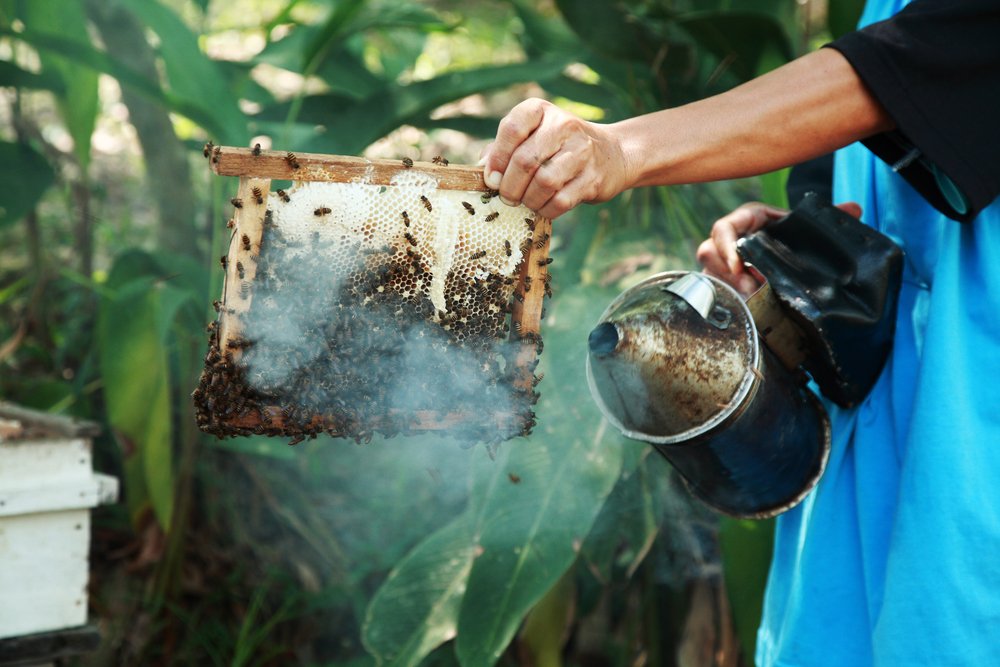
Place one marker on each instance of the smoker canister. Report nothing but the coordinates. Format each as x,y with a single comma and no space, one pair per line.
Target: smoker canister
676,362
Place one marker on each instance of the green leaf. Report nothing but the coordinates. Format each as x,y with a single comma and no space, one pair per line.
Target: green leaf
611,28
744,41
843,15
543,34
87,55
537,502
13,76
416,609
193,76
134,366
78,106
477,126
627,525
354,127
746,557
26,176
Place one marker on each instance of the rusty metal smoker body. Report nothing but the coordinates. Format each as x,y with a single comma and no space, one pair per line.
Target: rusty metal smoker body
676,361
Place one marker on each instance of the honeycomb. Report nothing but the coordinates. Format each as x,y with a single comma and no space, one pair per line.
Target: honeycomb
368,308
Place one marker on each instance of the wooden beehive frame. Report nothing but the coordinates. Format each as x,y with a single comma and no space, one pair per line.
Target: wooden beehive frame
257,168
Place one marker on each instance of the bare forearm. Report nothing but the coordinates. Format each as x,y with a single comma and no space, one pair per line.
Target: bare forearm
802,110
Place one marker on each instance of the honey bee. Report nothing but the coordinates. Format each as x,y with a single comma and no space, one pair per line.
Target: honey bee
506,247
468,207
292,161
207,150
407,162
406,219
257,194
238,343
478,255
515,479
216,154
426,202
535,379
492,216
527,283
519,297
409,238
322,210
545,262
224,262
284,196
236,202
541,241
256,150
437,159
530,222
239,269
488,195
246,242
230,223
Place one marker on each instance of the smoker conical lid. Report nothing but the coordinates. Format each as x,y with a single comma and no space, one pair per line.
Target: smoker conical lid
664,373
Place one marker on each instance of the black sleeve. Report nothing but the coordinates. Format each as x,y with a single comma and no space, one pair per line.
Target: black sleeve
814,176
935,68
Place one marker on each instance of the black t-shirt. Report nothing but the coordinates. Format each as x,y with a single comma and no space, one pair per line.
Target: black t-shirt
935,68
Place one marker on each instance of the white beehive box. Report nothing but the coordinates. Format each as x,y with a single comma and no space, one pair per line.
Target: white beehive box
47,487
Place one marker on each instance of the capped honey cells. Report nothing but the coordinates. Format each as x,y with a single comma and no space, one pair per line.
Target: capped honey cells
368,309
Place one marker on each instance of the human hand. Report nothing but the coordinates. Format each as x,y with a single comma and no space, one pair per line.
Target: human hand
717,254
551,160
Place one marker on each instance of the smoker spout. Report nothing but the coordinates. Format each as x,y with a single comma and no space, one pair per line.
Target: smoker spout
603,339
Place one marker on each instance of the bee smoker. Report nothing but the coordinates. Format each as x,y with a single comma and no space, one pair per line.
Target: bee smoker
717,385
676,361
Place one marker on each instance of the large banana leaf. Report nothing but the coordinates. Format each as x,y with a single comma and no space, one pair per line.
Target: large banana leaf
86,55
78,106
26,176
416,609
538,501
352,127
135,331
192,75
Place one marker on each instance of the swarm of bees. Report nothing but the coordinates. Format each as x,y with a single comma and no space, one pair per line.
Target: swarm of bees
340,374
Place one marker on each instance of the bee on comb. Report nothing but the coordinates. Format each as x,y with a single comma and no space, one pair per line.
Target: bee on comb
207,150
246,242
406,219
492,216
478,255
468,207
256,150
322,210
284,196
292,161
236,202
437,159
426,202
258,196
541,241
407,163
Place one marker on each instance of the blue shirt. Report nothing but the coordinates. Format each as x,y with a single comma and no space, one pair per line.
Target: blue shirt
894,559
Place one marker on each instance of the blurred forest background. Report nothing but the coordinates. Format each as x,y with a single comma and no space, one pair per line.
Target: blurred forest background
574,546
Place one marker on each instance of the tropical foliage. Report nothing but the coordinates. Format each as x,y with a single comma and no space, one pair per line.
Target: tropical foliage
574,546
